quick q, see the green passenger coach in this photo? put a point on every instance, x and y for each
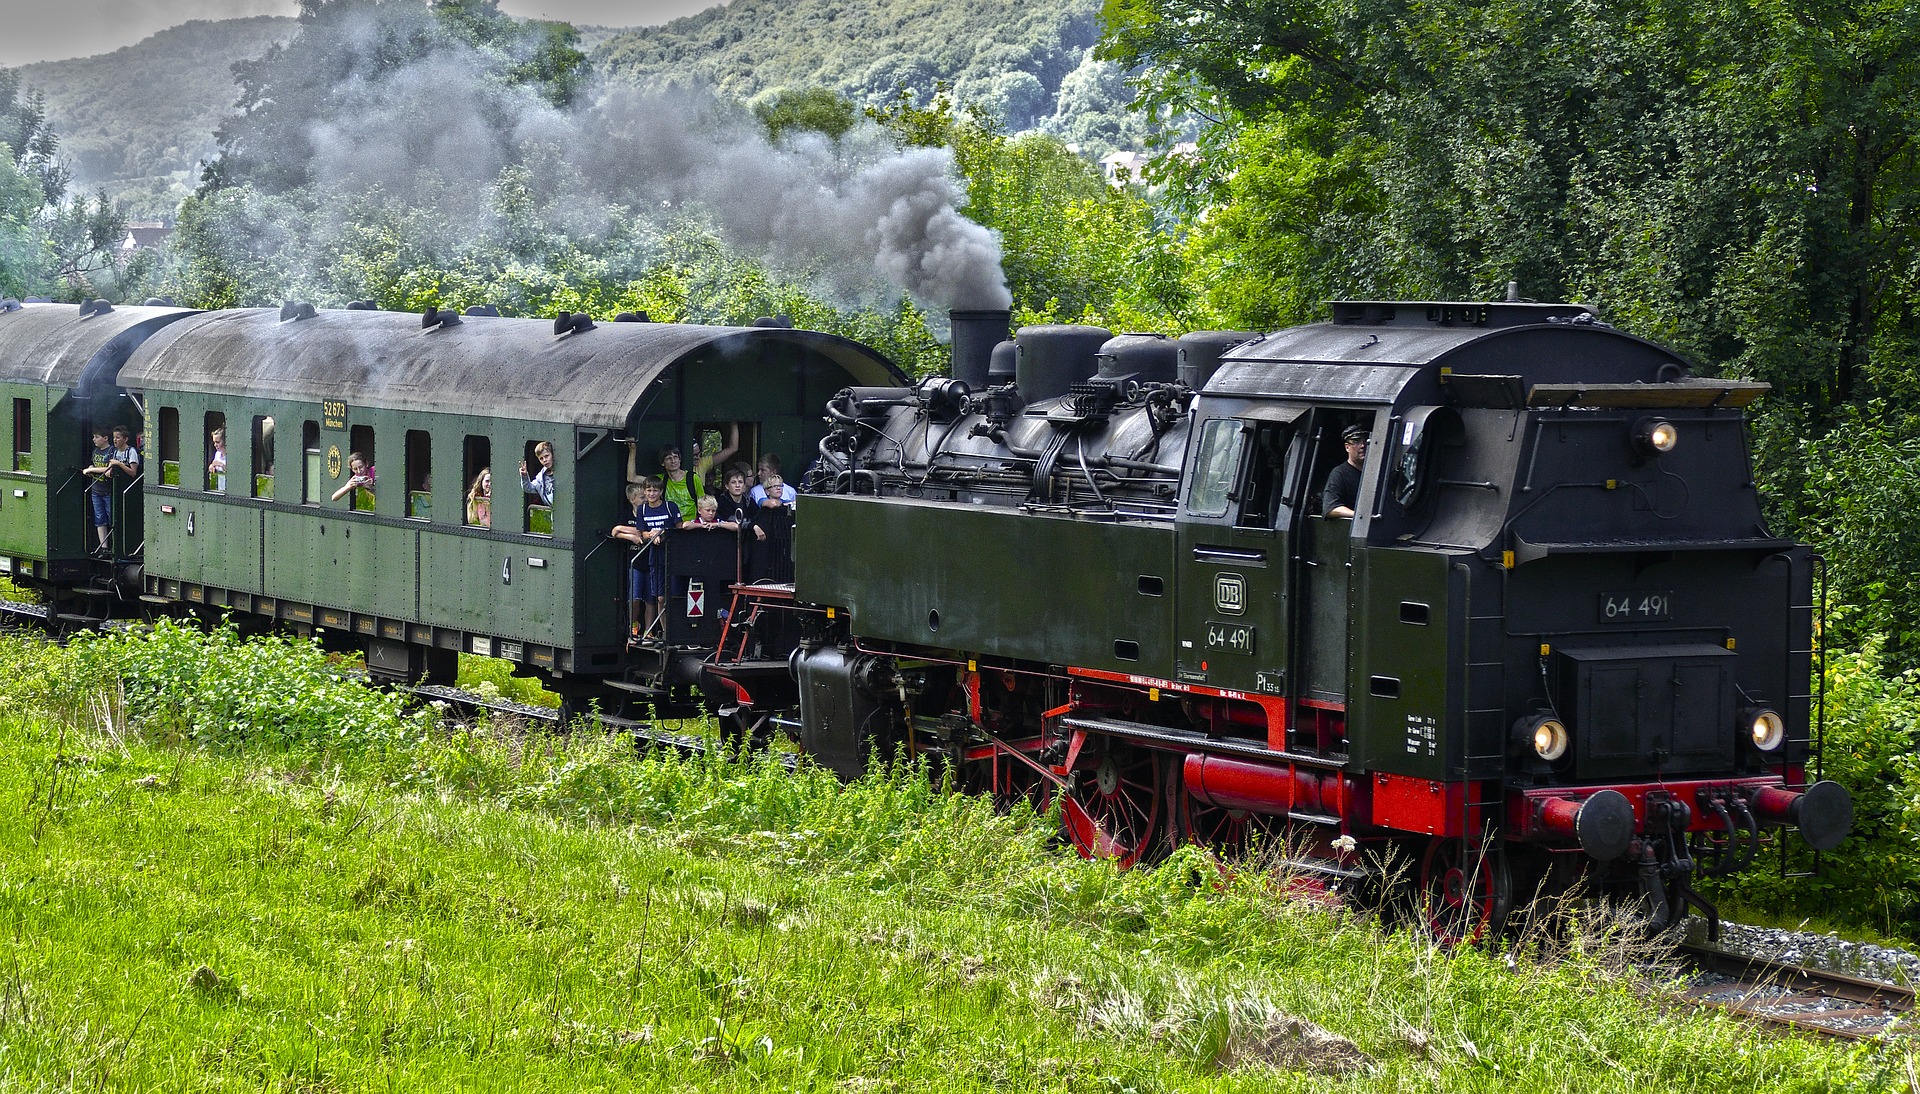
(343, 501)
(59, 368)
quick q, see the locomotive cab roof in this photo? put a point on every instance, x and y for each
(59, 345)
(1507, 355)
(513, 367)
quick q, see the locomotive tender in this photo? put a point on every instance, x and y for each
(1556, 642)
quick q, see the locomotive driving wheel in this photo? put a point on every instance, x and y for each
(1113, 810)
(1465, 891)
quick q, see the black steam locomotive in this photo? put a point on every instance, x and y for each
(1555, 641)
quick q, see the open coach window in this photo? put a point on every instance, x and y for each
(216, 437)
(419, 475)
(360, 438)
(263, 457)
(477, 473)
(314, 489)
(23, 435)
(169, 446)
(538, 486)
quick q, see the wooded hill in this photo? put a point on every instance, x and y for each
(1009, 57)
(140, 119)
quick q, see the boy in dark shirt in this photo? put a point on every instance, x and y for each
(100, 489)
(647, 577)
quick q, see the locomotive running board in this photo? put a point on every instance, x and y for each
(1189, 741)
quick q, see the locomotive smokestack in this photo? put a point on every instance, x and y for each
(975, 333)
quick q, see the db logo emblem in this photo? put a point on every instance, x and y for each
(1230, 593)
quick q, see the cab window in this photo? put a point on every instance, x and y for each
(1214, 468)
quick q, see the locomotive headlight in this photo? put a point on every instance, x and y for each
(1767, 727)
(1654, 436)
(1550, 739)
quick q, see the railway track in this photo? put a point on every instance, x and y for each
(1827, 1004)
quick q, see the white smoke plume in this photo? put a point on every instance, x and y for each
(856, 217)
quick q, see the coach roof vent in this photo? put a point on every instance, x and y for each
(297, 311)
(91, 308)
(158, 302)
(9, 304)
(491, 311)
(362, 305)
(633, 317)
(575, 323)
(439, 317)
(782, 321)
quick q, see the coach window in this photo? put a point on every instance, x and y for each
(538, 470)
(216, 478)
(360, 443)
(313, 491)
(170, 446)
(23, 435)
(419, 475)
(477, 473)
(1213, 471)
(263, 457)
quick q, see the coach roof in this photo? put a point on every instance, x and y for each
(55, 344)
(514, 368)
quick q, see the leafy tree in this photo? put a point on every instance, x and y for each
(84, 238)
(817, 109)
(1732, 179)
(23, 255)
(30, 138)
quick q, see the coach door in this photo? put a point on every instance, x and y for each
(1235, 531)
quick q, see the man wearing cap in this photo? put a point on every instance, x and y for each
(1342, 491)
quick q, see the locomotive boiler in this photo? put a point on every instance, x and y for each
(1555, 643)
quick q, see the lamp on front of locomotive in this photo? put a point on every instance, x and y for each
(1655, 436)
(1545, 735)
(1768, 729)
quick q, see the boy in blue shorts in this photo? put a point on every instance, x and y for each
(100, 489)
(647, 575)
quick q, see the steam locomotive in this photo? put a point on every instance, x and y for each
(1554, 644)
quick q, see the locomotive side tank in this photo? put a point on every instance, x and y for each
(1555, 642)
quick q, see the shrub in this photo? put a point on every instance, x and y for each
(1874, 877)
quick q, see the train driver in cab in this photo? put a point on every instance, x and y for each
(1342, 492)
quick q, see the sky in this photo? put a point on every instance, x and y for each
(36, 30)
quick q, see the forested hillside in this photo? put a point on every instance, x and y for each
(1010, 58)
(140, 119)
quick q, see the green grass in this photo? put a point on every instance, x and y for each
(493, 678)
(196, 900)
